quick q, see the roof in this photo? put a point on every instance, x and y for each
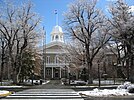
(55, 43)
(56, 47)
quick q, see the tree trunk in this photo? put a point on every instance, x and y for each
(128, 60)
(2, 61)
(90, 75)
(15, 73)
(89, 65)
(14, 77)
(132, 70)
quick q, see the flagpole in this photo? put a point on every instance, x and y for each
(56, 13)
(57, 19)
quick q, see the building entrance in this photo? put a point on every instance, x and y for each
(56, 73)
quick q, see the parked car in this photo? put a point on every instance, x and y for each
(35, 82)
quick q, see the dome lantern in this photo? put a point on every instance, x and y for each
(57, 34)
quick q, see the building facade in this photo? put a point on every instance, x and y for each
(56, 66)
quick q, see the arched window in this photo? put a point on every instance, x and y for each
(56, 59)
(56, 37)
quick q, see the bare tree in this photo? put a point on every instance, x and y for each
(75, 52)
(87, 24)
(122, 23)
(19, 27)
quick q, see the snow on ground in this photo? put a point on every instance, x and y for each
(46, 82)
(4, 93)
(122, 90)
(11, 86)
(106, 92)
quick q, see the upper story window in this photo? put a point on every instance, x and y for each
(48, 59)
(56, 59)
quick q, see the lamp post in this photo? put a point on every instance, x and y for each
(99, 74)
(115, 65)
(69, 75)
(65, 74)
(32, 74)
(33, 59)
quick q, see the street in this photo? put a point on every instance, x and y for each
(53, 90)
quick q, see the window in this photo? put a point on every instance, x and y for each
(48, 72)
(56, 37)
(48, 59)
(56, 59)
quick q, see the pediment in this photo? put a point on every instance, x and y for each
(55, 47)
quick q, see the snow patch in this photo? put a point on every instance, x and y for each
(11, 86)
(122, 90)
(4, 92)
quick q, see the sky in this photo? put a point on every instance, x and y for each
(46, 8)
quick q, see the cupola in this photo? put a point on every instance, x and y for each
(57, 34)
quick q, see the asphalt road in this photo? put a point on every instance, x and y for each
(53, 84)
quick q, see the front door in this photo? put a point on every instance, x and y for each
(56, 73)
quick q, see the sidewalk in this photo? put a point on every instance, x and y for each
(8, 90)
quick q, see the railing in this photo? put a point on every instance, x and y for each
(57, 64)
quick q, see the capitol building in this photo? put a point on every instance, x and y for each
(56, 66)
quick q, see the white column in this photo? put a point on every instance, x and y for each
(52, 73)
(60, 72)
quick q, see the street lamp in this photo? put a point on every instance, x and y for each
(69, 75)
(99, 74)
(33, 59)
(65, 74)
(32, 74)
